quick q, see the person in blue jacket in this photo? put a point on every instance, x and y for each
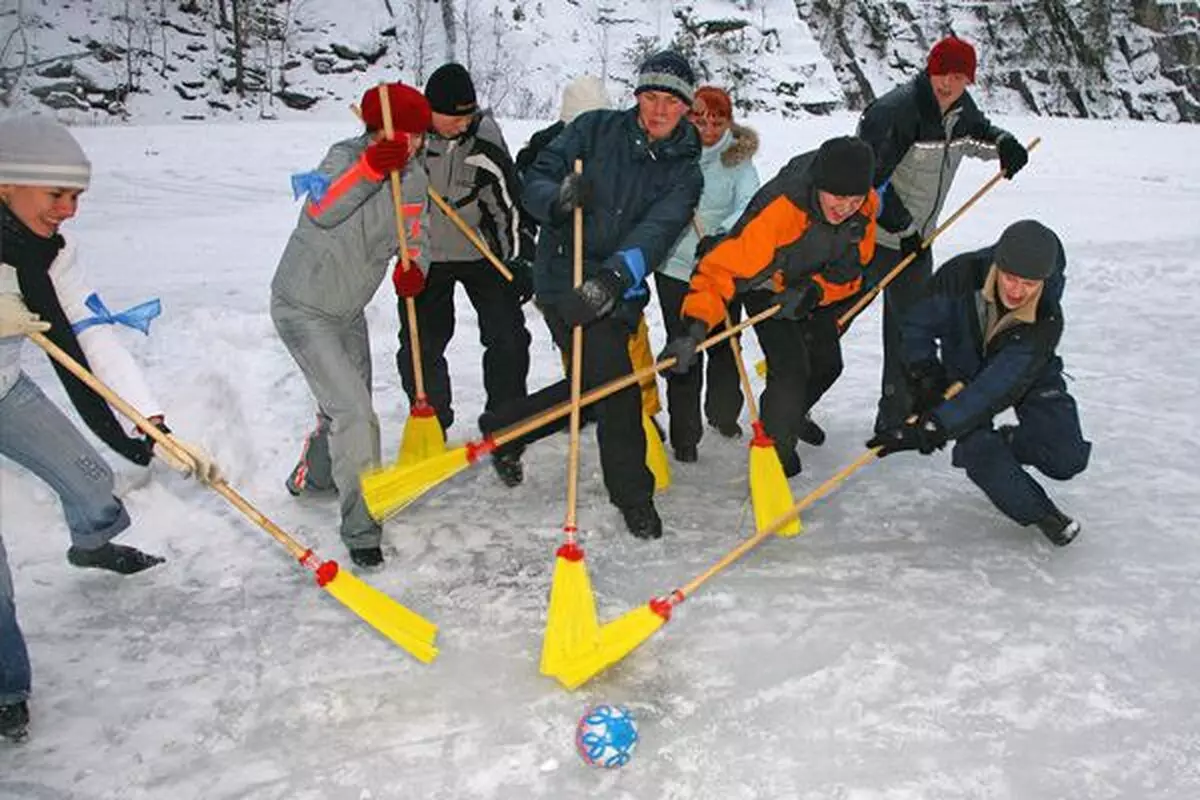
(639, 188)
(730, 181)
(992, 320)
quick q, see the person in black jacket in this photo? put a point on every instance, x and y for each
(995, 315)
(468, 163)
(920, 131)
(640, 184)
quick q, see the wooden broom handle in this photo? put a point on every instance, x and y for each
(867, 297)
(297, 550)
(472, 237)
(617, 384)
(410, 304)
(576, 380)
(777, 524)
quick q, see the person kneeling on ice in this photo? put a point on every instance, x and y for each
(995, 314)
(43, 171)
(330, 269)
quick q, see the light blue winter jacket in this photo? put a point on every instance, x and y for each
(730, 180)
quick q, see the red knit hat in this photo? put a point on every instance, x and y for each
(410, 109)
(952, 55)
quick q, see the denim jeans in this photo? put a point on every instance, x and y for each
(37, 435)
(14, 659)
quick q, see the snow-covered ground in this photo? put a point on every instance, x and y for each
(913, 644)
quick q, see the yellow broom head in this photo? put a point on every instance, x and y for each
(617, 639)
(572, 629)
(390, 489)
(403, 626)
(656, 455)
(769, 490)
(423, 437)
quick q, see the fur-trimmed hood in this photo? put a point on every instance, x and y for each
(744, 146)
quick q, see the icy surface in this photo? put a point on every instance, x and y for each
(912, 644)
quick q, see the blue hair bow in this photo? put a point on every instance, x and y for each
(313, 184)
(137, 317)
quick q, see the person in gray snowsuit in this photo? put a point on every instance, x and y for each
(331, 267)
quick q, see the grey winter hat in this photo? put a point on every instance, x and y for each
(1028, 249)
(37, 151)
(585, 93)
(667, 72)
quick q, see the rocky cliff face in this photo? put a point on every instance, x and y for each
(158, 60)
(1137, 59)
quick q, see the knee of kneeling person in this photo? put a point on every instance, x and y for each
(1066, 462)
(976, 449)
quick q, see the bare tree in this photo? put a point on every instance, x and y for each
(470, 33)
(14, 57)
(239, 43)
(449, 24)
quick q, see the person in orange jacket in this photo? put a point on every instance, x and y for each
(802, 243)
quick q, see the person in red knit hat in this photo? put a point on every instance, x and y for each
(920, 131)
(330, 269)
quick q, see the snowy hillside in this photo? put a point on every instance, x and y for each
(912, 645)
(154, 60)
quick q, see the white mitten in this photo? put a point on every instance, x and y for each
(16, 319)
(198, 464)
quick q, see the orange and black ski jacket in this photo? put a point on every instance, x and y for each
(780, 239)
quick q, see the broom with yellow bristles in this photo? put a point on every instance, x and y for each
(770, 493)
(401, 625)
(390, 489)
(423, 437)
(572, 629)
(626, 633)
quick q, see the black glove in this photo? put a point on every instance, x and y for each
(910, 244)
(925, 435)
(927, 383)
(798, 302)
(707, 243)
(684, 348)
(574, 192)
(595, 298)
(1013, 155)
(522, 281)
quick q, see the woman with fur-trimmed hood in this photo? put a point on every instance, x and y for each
(730, 180)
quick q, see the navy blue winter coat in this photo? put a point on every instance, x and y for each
(952, 313)
(643, 195)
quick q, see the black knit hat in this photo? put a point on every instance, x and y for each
(450, 91)
(1028, 249)
(844, 166)
(667, 72)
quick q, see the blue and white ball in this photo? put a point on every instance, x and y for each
(606, 736)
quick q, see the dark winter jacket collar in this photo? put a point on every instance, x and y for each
(928, 104)
(684, 141)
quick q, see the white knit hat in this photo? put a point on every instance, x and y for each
(585, 93)
(37, 151)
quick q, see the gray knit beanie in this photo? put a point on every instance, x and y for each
(1028, 249)
(585, 93)
(667, 71)
(37, 151)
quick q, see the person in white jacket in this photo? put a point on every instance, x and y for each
(43, 171)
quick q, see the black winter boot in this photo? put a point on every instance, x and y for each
(367, 556)
(1060, 529)
(643, 520)
(730, 429)
(14, 721)
(117, 558)
(687, 454)
(508, 467)
(811, 432)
